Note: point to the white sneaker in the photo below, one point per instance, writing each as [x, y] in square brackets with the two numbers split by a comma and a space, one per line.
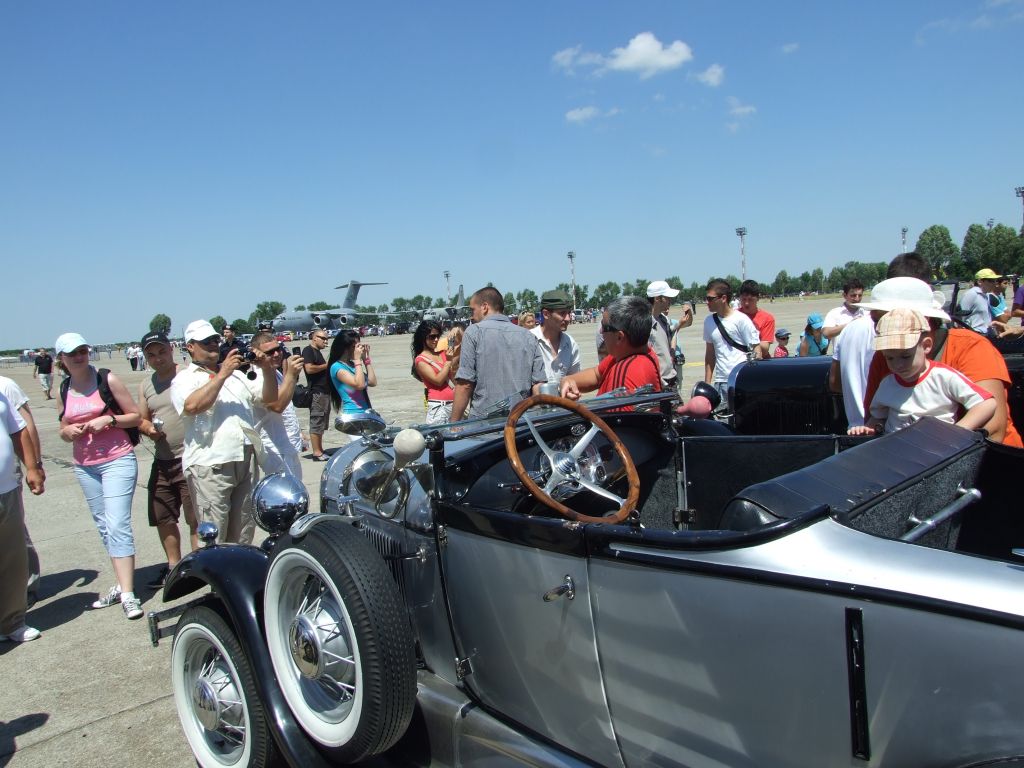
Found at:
[22, 634]
[131, 606]
[113, 597]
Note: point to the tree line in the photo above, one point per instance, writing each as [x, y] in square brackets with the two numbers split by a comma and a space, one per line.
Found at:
[996, 246]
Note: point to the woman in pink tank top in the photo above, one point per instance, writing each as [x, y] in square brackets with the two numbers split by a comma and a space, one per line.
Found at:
[105, 463]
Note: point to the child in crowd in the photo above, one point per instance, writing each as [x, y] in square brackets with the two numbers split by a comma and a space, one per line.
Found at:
[917, 386]
[781, 343]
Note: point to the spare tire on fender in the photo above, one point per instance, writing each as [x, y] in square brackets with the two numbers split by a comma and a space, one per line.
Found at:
[340, 641]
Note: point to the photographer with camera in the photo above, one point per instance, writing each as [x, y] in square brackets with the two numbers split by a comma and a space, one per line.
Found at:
[229, 341]
[351, 373]
[278, 421]
[216, 401]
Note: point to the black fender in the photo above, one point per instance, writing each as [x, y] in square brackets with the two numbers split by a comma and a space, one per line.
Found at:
[236, 575]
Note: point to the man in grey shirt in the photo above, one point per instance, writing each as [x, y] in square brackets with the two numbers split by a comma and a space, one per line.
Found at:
[974, 303]
[500, 363]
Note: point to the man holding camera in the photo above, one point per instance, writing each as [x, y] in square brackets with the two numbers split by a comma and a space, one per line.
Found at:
[215, 401]
[168, 491]
[229, 341]
[278, 421]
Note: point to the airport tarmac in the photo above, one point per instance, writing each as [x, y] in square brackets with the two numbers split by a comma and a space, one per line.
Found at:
[92, 691]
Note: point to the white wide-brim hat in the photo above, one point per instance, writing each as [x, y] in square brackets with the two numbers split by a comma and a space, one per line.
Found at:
[906, 293]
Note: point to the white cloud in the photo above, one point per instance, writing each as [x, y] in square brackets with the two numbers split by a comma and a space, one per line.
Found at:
[613, 112]
[712, 76]
[997, 14]
[581, 114]
[790, 48]
[569, 59]
[736, 109]
[646, 54]
[658, 97]
[732, 127]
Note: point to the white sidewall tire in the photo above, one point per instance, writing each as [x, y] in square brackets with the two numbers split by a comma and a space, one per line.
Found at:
[203, 625]
[327, 732]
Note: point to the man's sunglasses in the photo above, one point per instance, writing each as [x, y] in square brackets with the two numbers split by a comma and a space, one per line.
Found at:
[713, 297]
[606, 328]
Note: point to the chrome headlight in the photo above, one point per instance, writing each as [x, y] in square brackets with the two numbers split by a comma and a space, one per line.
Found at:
[277, 501]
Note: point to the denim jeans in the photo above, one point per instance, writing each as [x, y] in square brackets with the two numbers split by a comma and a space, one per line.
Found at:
[108, 490]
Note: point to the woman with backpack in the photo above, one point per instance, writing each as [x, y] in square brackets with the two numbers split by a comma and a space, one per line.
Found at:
[96, 413]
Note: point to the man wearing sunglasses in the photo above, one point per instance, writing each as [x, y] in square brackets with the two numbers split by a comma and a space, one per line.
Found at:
[729, 335]
[626, 328]
[319, 382]
[279, 423]
[215, 401]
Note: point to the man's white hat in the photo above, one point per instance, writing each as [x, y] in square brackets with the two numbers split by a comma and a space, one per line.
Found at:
[661, 288]
[906, 293]
[198, 330]
[68, 342]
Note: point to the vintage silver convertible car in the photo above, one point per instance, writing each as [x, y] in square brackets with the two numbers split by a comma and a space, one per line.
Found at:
[608, 585]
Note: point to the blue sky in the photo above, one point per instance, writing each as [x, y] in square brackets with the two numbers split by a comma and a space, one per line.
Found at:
[194, 158]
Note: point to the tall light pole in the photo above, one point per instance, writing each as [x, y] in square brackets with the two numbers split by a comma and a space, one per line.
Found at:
[742, 232]
[903, 237]
[572, 276]
[1020, 194]
[448, 285]
[990, 223]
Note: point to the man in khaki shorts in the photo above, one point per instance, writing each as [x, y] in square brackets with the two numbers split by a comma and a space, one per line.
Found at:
[168, 491]
[215, 401]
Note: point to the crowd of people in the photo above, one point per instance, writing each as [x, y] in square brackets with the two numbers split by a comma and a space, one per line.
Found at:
[893, 358]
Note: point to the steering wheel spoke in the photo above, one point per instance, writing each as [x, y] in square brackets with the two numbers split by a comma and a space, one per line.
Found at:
[558, 477]
[539, 440]
[581, 445]
[600, 491]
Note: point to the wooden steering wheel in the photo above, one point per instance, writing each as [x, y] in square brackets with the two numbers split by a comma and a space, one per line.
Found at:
[565, 464]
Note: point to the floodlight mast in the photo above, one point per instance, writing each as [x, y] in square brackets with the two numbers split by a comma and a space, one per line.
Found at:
[742, 233]
[1020, 194]
[903, 238]
[448, 285]
[572, 276]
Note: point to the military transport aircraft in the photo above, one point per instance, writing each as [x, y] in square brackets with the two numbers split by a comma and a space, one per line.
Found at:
[328, 319]
[458, 311]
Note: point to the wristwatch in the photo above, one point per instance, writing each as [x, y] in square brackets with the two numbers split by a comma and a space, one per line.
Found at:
[113, 421]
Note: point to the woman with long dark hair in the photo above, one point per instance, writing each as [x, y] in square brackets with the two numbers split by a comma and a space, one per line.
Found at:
[435, 369]
[104, 461]
[351, 372]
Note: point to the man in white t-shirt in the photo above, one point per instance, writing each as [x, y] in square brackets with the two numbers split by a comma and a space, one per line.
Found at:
[722, 354]
[836, 319]
[215, 401]
[16, 395]
[15, 442]
[851, 360]
[279, 423]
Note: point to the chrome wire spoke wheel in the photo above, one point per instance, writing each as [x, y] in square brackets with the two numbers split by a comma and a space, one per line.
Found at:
[222, 721]
[310, 637]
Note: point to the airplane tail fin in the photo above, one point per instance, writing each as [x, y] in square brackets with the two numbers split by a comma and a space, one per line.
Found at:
[460, 300]
[353, 292]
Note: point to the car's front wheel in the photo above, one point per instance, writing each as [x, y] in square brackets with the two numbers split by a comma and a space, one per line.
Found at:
[340, 641]
[215, 695]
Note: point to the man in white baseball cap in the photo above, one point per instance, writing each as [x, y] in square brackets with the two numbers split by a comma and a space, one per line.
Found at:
[215, 401]
[660, 294]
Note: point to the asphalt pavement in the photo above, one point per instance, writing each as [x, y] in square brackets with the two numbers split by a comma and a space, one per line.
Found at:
[92, 691]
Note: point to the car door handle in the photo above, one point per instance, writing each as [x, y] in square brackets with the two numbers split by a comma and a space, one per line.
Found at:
[566, 588]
